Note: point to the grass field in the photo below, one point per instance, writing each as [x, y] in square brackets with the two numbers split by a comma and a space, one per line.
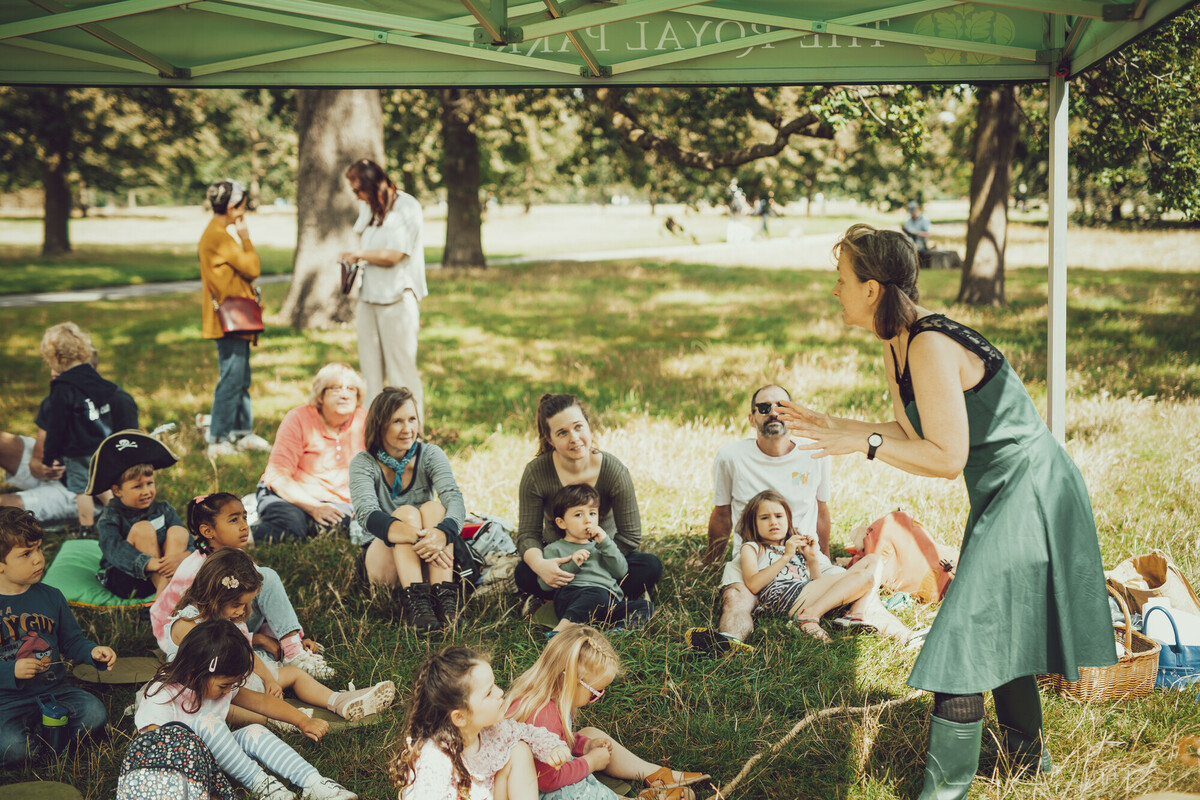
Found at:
[666, 356]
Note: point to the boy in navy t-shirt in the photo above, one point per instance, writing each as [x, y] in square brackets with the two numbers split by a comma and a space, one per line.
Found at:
[37, 629]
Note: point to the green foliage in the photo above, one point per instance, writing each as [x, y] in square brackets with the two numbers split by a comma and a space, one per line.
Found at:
[1136, 126]
[113, 139]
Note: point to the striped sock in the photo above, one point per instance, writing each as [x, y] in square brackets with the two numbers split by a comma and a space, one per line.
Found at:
[273, 753]
[229, 755]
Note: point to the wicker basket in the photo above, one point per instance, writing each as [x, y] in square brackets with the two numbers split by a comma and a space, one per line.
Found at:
[1130, 678]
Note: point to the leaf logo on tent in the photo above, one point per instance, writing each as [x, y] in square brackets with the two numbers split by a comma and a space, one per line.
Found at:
[969, 24]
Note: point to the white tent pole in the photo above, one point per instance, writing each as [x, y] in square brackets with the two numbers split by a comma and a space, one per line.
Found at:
[1056, 329]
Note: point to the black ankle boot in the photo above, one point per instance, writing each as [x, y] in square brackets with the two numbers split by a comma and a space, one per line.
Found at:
[446, 602]
[419, 599]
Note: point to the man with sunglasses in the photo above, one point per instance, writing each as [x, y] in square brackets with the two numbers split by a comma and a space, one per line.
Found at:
[742, 469]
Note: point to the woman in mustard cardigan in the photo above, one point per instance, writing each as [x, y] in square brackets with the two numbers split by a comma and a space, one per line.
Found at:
[228, 269]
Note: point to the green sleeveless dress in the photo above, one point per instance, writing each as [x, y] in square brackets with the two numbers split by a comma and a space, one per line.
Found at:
[1028, 595]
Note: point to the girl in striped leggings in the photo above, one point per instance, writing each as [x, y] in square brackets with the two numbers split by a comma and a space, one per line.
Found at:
[197, 689]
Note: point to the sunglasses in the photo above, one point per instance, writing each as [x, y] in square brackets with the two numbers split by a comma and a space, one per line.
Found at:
[596, 693]
[764, 408]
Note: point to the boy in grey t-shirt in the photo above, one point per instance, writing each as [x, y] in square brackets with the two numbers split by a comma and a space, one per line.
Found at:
[594, 594]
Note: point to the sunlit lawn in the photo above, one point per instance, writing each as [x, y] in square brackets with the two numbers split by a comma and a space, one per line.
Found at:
[666, 356]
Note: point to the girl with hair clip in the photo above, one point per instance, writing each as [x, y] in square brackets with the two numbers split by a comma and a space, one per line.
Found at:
[390, 229]
[782, 568]
[456, 743]
[225, 588]
[197, 689]
[573, 671]
[218, 521]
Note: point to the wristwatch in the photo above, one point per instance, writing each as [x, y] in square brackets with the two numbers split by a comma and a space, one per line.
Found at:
[873, 442]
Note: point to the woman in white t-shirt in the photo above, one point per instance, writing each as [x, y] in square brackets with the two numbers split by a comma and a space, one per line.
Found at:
[392, 258]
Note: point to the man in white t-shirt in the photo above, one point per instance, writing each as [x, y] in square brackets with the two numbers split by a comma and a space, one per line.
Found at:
[742, 469]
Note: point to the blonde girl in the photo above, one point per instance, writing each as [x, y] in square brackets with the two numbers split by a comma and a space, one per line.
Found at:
[224, 588]
[781, 567]
[574, 670]
[198, 688]
[456, 743]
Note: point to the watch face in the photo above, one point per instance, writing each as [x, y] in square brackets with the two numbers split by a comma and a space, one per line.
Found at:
[874, 440]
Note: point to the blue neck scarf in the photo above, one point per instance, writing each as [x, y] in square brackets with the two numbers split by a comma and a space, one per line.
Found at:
[397, 466]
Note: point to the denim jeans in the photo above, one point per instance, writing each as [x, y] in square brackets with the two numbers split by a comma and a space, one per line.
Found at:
[231, 415]
[21, 721]
[272, 607]
[280, 521]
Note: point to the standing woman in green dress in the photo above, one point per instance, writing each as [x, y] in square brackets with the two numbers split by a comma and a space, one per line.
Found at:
[1029, 594]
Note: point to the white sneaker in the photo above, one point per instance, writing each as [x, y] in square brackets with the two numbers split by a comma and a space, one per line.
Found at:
[271, 789]
[252, 441]
[287, 727]
[221, 450]
[372, 701]
[327, 789]
[312, 663]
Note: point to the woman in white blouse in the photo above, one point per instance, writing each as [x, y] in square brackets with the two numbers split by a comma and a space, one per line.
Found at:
[393, 281]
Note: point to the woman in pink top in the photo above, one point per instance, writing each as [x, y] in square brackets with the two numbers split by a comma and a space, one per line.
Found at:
[305, 490]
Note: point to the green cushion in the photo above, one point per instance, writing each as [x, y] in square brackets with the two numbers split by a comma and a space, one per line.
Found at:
[621, 787]
[74, 574]
[42, 790]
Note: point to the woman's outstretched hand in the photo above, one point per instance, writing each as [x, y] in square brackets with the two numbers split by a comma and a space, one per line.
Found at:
[828, 438]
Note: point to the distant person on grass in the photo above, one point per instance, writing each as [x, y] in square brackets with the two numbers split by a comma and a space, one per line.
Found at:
[390, 227]
[565, 456]
[228, 269]
[305, 490]
[1028, 596]
[410, 507]
[80, 411]
[917, 227]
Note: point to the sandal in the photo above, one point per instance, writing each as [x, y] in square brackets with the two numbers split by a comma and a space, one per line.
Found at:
[663, 785]
[816, 631]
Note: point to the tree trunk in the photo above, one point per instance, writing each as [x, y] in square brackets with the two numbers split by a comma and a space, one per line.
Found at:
[335, 127]
[56, 183]
[996, 128]
[460, 168]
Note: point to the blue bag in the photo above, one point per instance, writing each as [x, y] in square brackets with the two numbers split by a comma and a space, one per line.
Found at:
[1178, 664]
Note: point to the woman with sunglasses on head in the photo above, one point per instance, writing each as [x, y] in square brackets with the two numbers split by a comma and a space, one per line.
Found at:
[228, 268]
[305, 490]
[1029, 595]
[392, 256]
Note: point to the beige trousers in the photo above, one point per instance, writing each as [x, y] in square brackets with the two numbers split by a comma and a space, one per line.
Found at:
[387, 347]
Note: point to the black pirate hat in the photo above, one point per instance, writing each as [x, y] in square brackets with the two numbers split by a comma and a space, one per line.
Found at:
[121, 451]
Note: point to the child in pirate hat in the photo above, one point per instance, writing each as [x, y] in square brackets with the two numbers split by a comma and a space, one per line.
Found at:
[142, 539]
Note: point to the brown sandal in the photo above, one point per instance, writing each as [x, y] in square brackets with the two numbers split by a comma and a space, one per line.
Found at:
[662, 785]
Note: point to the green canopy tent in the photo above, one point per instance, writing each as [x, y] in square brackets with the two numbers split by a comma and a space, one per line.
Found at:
[357, 43]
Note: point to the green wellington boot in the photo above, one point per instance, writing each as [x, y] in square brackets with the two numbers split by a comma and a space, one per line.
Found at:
[952, 759]
[1019, 711]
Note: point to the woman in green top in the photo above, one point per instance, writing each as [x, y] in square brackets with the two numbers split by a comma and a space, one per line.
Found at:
[1028, 596]
[566, 456]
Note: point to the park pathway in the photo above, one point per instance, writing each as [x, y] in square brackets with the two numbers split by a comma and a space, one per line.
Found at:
[788, 252]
